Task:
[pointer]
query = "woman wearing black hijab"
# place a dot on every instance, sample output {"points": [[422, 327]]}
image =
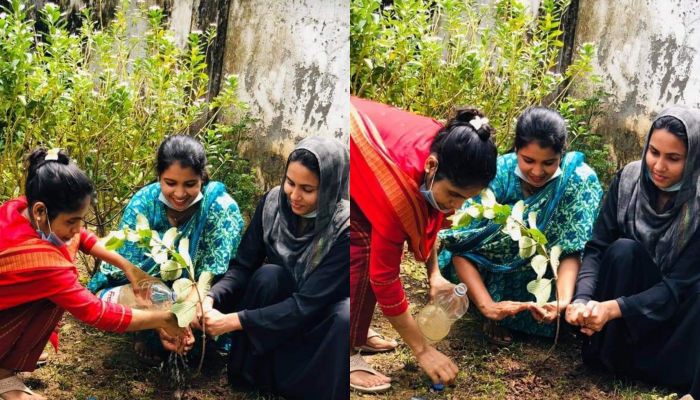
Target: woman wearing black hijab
{"points": [[286, 294], [638, 287]]}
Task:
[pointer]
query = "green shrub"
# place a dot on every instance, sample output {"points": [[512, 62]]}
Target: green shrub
{"points": [[428, 56], [110, 99]]}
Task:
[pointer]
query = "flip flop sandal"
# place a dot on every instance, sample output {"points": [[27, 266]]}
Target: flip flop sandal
{"points": [[496, 334], [357, 363], [366, 348], [13, 383], [43, 359]]}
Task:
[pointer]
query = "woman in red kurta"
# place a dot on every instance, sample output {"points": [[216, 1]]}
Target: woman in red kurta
{"points": [[407, 172], [40, 235]]}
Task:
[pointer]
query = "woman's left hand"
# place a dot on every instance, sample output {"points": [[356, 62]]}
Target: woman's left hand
{"points": [[217, 323], [548, 312], [598, 314]]}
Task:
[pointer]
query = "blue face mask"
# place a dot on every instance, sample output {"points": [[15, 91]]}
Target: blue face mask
{"points": [[51, 237], [430, 198], [673, 188], [165, 201]]}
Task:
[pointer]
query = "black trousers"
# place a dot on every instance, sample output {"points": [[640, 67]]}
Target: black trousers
{"points": [[310, 364], [661, 352]]}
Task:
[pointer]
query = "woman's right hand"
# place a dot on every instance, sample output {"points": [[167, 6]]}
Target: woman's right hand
{"points": [[439, 367], [497, 311]]}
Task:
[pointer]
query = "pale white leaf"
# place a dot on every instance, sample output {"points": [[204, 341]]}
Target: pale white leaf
{"points": [[184, 249], [554, 255], [488, 199], [527, 247], [170, 270], [204, 283], [185, 312], [532, 219], [512, 228], [182, 288], [539, 264], [159, 255], [142, 223], [169, 237], [155, 239], [489, 213], [518, 210], [541, 289], [473, 211], [133, 236]]}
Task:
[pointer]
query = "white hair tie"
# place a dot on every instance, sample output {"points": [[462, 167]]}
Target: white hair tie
{"points": [[52, 155], [478, 122]]}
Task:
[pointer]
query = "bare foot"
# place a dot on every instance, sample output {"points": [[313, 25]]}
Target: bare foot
{"points": [[378, 342], [365, 379]]}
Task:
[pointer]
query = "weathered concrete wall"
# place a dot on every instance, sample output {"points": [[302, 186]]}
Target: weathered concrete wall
{"points": [[292, 57], [648, 56]]}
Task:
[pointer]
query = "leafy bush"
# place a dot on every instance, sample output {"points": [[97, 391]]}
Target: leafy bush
{"points": [[110, 99], [428, 56]]}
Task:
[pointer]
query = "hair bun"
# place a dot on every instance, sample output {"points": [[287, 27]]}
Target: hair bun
{"points": [[472, 117], [41, 156]]}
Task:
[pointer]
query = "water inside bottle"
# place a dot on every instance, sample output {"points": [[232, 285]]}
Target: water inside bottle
{"points": [[434, 323]]}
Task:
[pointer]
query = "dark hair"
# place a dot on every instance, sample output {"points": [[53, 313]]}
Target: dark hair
{"points": [[185, 150], [59, 184], [542, 125], [466, 156], [307, 159], [673, 125]]}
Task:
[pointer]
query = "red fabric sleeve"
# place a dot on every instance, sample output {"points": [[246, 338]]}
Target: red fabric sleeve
{"points": [[85, 306], [87, 240], [384, 268]]}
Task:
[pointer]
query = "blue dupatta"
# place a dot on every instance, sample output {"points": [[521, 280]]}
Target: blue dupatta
{"points": [[214, 232], [566, 209]]}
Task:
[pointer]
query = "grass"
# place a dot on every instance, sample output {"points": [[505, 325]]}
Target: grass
{"points": [[518, 372]]}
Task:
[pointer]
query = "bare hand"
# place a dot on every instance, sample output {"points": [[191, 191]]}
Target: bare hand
{"points": [[218, 323], [202, 308], [548, 312], [574, 313], [503, 309], [438, 284], [178, 344], [439, 367], [596, 315]]}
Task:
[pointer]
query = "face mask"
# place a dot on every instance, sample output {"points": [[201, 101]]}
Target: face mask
{"points": [[310, 215], [673, 188], [519, 173], [51, 237], [428, 196], [165, 201]]}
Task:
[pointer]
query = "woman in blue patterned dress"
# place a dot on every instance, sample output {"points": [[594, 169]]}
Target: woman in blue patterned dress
{"points": [[565, 193], [184, 198]]}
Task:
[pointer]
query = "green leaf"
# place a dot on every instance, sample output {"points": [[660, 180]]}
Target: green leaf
{"points": [[527, 247], [539, 264], [502, 212], [460, 219], [170, 270], [185, 312], [541, 289], [114, 240], [538, 236]]}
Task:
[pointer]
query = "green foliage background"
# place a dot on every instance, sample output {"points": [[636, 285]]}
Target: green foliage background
{"points": [[429, 56], [109, 99]]}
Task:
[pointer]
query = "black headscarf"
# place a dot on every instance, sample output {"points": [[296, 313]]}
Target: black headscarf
{"points": [[664, 234], [302, 254]]}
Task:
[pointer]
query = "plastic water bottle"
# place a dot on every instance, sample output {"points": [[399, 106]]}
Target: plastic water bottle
{"points": [[436, 319], [150, 295]]}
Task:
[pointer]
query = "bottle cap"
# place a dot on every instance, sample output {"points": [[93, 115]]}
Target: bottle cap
{"points": [[438, 387], [461, 290]]}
